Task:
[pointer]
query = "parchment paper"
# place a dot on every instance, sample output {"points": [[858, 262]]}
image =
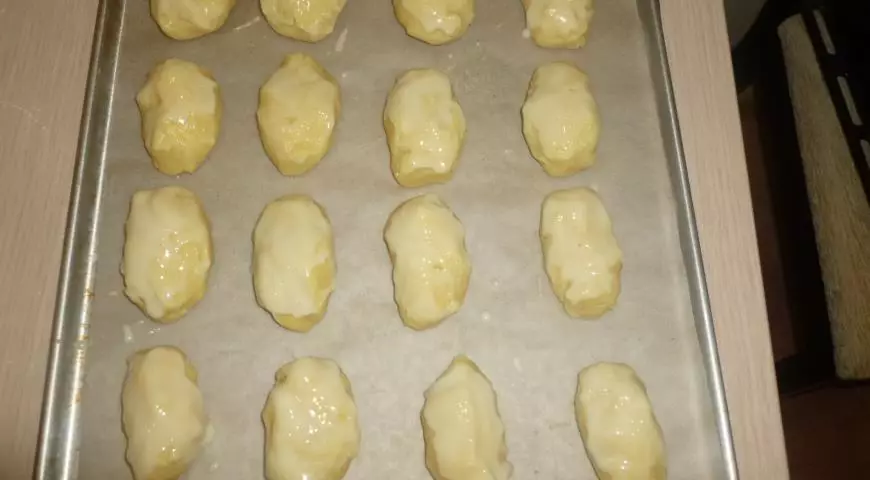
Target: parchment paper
{"points": [[511, 323]]}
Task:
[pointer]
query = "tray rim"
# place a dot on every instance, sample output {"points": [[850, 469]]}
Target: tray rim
{"points": [[57, 456], [57, 447], [691, 245]]}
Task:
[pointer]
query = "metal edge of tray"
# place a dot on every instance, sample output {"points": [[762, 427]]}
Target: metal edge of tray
{"points": [[58, 440], [690, 241], [57, 456]]}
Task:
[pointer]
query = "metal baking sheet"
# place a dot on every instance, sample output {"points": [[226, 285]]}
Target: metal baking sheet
{"points": [[511, 323]]}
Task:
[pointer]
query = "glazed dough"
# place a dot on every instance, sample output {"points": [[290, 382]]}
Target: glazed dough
{"points": [[620, 431], [187, 19], [558, 23], [311, 422], [425, 128], [581, 255], [167, 252], [163, 415], [464, 434], [430, 264], [306, 20], [299, 107], [294, 261], [435, 22], [560, 119], [181, 108]]}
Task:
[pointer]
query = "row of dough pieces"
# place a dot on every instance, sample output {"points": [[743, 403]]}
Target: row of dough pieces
{"points": [[312, 430], [300, 105], [552, 23], [168, 254]]}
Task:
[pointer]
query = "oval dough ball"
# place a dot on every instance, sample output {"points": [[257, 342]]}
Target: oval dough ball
{"points": [[435, 22], [181, 109], [167, 252], [430, 264], [558, 23], [582, 257], [294, 261], [425, 128], [187, 19], [462, 428], [560, 119], [163, 414], [306, 20], [311, 422], [299, 107], [617, 423]]}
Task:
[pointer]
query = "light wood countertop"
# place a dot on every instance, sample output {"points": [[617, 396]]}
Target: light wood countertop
{"points": [[44, 58]]}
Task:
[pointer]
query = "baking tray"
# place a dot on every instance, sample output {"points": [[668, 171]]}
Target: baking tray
{"points": [[511, 323]]}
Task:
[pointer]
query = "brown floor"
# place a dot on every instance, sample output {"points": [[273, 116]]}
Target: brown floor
{"points": [[827, 434], [827, 430]]}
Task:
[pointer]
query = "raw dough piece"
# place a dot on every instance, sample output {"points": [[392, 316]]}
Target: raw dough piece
{"points": [[299, 107], [181, 108], [167, 252], [620, 431], [435, 22], [464, 434], [294, 261], [187, 19], [425, 128], [558, 23], [163, 416], [306, 20], [581, 255], [560, 119], [311, 422], [430, 264]]}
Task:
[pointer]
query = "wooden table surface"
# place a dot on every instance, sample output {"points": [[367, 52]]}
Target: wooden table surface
{"points": [[44, 55]]}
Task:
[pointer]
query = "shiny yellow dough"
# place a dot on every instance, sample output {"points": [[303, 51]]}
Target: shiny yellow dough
{"points": [[425, 128], [187, 19], [558, 23], [299, 107], [560, 119], [582, 258], [617, 423], [163, 414], [430, 263], [181, 109], [435, 22], [311, 422], [294, 261], [167, 252], [464, 434], [306, 20]]}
